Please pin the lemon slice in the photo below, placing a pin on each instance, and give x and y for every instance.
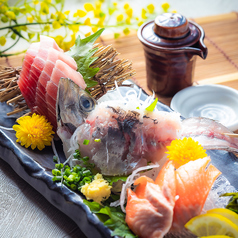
(226, 213)
(212, 224)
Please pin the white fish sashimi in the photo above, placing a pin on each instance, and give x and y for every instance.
(209, 133)
(120, 138)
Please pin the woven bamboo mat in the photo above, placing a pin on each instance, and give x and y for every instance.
(220, 66)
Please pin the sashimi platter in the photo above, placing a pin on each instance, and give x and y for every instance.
(114, 159)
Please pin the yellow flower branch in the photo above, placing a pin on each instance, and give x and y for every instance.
(27, 20)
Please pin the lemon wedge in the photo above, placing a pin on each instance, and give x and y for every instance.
(212, 224)
(226, 213)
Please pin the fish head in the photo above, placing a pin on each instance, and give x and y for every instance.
(73, 105)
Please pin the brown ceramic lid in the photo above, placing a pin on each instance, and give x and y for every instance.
(169, 30)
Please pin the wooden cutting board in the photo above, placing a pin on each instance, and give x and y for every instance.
(220, 66)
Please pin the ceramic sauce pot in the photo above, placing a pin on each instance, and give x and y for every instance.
(171, 44)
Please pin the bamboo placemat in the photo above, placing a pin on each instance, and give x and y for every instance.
(220, 66)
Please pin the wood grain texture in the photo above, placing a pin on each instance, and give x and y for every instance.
(221, 65)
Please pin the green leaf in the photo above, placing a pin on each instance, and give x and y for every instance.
(113, 218)
(93, 206)
(82, 53)
(115, 179)
(233, 202)
(152, 106)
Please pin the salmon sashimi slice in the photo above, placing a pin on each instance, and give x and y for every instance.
(149, 210)
(193, 184)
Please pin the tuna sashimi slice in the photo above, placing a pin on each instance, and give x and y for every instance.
(193, 184)
(53, 56)
(49, 42)
(39, 56)
(149, 210)
(28, 60)
(61, 69)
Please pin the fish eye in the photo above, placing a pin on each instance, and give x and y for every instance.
(87, 103)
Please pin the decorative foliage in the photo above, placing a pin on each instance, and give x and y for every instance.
(28, 19)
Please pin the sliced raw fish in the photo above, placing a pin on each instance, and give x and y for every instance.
(129, 138)
(24, 75)
(209, 133)
(149, 210)
(48, 42)
(35, 61)
(53, 56)
(193, 184)
(61, 69)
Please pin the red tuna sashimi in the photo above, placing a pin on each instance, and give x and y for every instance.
(149, 210)
(193, 184)
(53, 56)
(49, 42)
(37, 66)
(24, 75)
(61, 69)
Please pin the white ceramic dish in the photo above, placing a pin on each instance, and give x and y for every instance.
(213, 101)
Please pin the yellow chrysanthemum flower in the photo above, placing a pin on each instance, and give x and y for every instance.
(34, 131)
(184, 150)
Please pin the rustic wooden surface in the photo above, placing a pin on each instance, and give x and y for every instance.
(220, 66)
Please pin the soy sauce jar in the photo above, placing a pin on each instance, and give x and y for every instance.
(171, 44)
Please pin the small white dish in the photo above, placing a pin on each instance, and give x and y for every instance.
(212, 101)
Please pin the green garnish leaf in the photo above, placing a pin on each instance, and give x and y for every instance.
(82, 53)
(112, 217)
(86, 142)
(233, 202)
(115, 179)
(152, 106)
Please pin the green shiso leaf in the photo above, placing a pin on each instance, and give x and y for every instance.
(233, 202)
(112, 217)
(82, 53)
(152, 106)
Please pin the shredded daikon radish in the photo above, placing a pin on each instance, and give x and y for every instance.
(130, 180)
(6, 128)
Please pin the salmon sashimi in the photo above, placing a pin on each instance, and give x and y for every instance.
(149, 210)
(166, 205)
(193, 184)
